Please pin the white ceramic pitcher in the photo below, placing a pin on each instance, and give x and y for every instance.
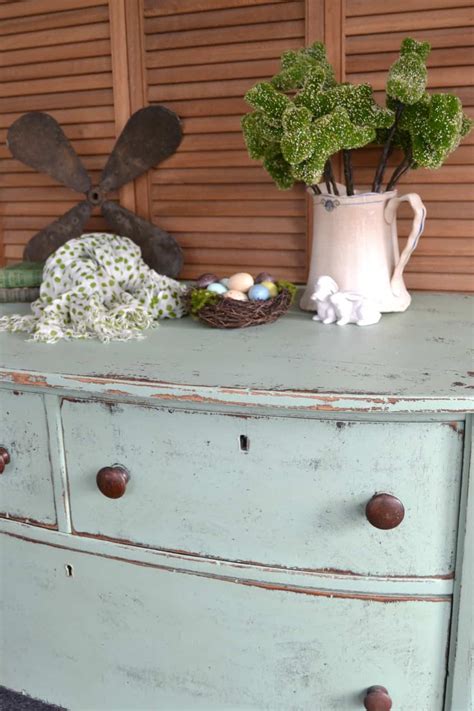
(355, 242)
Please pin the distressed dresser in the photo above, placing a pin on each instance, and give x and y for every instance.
(275, 518)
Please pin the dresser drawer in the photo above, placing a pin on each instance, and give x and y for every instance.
(117, 636)
(26, 489)
(279, 491)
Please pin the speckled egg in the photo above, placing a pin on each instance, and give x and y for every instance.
(240, 282)
(259, 292)
(217, 288)
(206, 279)
(263, 276)
(272, 288)
(237, 295)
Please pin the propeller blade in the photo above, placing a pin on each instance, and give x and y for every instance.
(37, 140)
(150, 135)
(159, 249)
(48, 240)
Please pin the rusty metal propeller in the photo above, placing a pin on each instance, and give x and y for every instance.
(150, 135)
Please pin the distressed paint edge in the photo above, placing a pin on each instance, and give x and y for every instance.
(58, 462)
(284, 400)
(460, 677)
(328, 584)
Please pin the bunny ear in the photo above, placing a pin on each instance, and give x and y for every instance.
(159, 249)
(150, 135)
(37, 140)
(48, 240)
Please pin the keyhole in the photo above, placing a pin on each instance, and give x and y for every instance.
(244, 443)
(69, 571)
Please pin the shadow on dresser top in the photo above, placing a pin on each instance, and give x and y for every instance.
(418, 361)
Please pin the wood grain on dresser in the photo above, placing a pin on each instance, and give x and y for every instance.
(295, 496)
(239, 569)
(26, 487)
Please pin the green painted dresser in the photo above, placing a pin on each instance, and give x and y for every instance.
(275, 518)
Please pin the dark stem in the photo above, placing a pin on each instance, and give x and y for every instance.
(347, 157)
(379, 173)
(316, 190)
(326, 178)
(400, 170)
(329, 177)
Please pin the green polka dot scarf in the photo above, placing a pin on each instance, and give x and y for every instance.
(98, 286)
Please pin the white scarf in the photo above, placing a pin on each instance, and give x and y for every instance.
(98, 286)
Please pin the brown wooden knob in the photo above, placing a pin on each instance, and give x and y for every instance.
(385, 511)
(377, 699)
(4, 459)
(112, 481)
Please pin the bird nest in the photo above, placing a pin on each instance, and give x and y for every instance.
(219, 312)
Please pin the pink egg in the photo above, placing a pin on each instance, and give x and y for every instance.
(236, 295)
(240, 282)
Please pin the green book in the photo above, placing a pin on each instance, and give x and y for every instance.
(25, 294)
(23, 274)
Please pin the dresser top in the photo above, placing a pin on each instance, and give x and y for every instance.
(417, 361)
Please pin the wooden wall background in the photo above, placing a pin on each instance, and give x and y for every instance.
(91, 63)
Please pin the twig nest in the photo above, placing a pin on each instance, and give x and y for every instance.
(240, 282)
(236, 295)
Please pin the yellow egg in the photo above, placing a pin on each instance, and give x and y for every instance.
(272, 288)
(240, 282)
(236, 295)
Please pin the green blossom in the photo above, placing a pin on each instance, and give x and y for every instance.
(407, 76)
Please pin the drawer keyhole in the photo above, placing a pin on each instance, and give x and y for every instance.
(244, 443)
(69, 571)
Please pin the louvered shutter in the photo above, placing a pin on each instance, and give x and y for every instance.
(201, 57)
(444, 258)
(54, 57)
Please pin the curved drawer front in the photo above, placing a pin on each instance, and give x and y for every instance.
(26, 489)
(144, 638)
(289, 492)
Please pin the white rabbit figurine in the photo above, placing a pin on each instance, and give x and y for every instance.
(342, 306)
(326, 312)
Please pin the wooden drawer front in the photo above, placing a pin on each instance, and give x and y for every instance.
(297, 497)
(122, 636)
(26, 489)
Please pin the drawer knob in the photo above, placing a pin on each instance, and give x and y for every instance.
(4, 459)
(377, 699)
(112, 481)
(385, 511)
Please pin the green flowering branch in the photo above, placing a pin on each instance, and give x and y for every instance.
(302, 117)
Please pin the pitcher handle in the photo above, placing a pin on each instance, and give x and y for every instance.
(390, 214)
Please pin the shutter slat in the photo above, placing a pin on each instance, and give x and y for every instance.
(221, 53)
(374, 7)
(226, 17)
(154, 8)
(100, 48)
(408, 21)
(389, 40)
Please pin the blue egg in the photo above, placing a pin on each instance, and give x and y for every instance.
(225, 282)
(258, 292)
(217, 288)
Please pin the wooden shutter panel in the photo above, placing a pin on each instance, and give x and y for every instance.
(444, 258)
(58, 61)
(92, 63)
(201, 57)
